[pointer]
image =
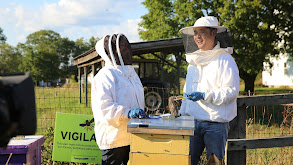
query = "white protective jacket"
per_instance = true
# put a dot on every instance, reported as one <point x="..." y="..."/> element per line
<point x="215" y="73"/>
<point x="115" y="90"/>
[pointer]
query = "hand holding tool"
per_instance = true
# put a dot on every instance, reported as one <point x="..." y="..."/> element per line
<point x="195" y="96"/>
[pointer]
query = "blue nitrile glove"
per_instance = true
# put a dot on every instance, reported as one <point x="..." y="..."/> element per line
<point x="195" y="96"/>
<point x="136" y="112"/>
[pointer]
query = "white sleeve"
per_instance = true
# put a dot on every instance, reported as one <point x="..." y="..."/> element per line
<point x="103" y="103"/>
<point x="229" y="84"/>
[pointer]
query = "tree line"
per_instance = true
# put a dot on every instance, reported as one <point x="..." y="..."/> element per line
<point x="45" y="54"/>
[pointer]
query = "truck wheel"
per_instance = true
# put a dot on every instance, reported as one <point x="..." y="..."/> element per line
<point x="153" y="101"/>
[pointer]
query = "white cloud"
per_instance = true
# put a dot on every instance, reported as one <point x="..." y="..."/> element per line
<point x="82" y="13"/>
<point x="4" y="14"/>
<point x="27" y="19"/>
<point x="75" y="18"/>
<point x="21" y="38"/>
<point x="133" y="29"/>
<point x="128" y="27"/>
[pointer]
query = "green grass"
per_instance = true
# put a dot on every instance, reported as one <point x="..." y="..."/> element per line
<point x="270" y="156"/>
<point x="266" y="90"/>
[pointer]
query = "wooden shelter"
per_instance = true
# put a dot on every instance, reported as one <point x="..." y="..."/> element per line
<point x="90" y="60"/>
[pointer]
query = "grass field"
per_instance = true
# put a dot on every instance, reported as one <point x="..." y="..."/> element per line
<point x="262" y="121"/>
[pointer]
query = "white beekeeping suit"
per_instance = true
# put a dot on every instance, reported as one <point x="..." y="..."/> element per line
<point x="115" y="90"/>
<point x="212" y="85"/>
<point x="213" y="72"/>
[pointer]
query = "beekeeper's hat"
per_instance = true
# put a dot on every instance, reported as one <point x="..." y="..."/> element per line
<point x="208" y="21"/>
<point x="105" y="45"/>
<point x="223" y="36"/>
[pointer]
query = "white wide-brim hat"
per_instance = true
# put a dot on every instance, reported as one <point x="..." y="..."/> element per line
<point x="208" y="21"/>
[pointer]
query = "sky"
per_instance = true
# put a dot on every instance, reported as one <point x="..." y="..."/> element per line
<point x="70" y="18"/>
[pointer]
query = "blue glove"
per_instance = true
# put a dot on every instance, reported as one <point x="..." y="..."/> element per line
<point x="136" y="112"/>
<point x="195" y="96"/>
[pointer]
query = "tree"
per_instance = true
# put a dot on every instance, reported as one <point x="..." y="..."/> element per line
<point x="65" y="49"/>
<point x="93" y="41"/>
<point x="258" y="27"/>
<point x="68" y="49"/>
<point x="81" y="46"/>
<point x="10" y="59"/>
<point x="40" y="55"/>
<point x="158" y="22"/>
<point x="2" y="37"/>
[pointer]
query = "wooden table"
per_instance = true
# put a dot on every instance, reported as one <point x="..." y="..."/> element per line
<point x="160" y="142"/>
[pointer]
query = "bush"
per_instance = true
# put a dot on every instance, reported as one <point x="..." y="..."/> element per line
<point x="47" y="147"/>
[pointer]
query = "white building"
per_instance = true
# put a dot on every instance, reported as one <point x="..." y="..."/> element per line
<point x="281" y="73"/>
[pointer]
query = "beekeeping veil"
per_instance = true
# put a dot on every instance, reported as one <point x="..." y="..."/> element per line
<point x="111" y="48"/>
<point x="223" y="36"/>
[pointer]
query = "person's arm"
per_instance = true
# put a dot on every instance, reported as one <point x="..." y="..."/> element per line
<point x="229" y="84"/>
<point x="103" y="102"/>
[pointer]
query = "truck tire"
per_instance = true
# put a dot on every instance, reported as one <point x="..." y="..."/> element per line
<point x="153" y="101"/>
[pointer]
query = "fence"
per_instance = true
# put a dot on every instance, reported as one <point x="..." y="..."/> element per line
<point x="236" y="149"/>
<point x="259" y="118"/>
<point x="68" y="99"/>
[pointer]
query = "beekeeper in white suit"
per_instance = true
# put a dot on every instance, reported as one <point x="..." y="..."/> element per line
<point x="212" y="83"/>
<point x="116" y="95"/>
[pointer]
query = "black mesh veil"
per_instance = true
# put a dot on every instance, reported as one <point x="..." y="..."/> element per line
<point x="225" y="39"/>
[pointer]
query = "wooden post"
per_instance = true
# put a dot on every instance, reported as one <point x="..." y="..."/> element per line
<point x="237" y="131"/>
<point x="79" y="83"/>
<point x="85" y="75"/>
<point x="269" y="142"/>
<point x="94" y="70"/>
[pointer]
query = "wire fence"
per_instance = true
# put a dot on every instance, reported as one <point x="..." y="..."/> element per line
<point x="261" y="121"/>
<point x="269" y="121"/>
<point x="50" y="100"/>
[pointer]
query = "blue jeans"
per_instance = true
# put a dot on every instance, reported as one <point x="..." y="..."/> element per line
<point x="212" y="135"/>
